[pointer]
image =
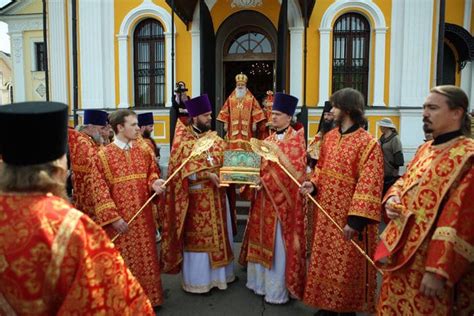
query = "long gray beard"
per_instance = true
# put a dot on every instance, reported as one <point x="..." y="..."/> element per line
<point x="240" y="92"/>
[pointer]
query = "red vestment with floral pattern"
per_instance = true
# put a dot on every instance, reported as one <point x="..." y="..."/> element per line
<point x="55" y="261"/>
<point x="122" y="186"/>
<point x="82" y="154"/>
<point x="434" y="233"/>
<point x="240" y="115"/>
<point x="194" y="217"/>
<point x="348" y="178"/>
<point x="280" y="200"/>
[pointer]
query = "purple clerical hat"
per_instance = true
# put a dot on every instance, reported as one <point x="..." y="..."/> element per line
<point x="145" y="119"/>
<point x="95" y="117"/>
<point x="285" y="103"/>
<point x="198" y="105"/>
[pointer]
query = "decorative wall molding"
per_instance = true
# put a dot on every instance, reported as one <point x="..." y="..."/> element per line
<point x="246" y="3"/>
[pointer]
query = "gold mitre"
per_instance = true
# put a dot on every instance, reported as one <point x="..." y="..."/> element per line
<point x="241" y="78"/>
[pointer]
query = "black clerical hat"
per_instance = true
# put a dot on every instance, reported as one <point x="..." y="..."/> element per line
<point x="145" y="119"/>
<point x="285" y="103"/>
<point x="33" y="132"/>
<point x="95" y="117"/>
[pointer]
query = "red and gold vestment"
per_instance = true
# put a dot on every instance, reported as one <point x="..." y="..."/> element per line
<point x="348" y="178"/>
<point x="434" y="232"/>
<point x="194" y="217"/>
<point x="123" y="185"/>
<point x="240" y="115"/>
<point x="54" y="260"/>
<point x="280" y="200"/>
<point x="82" y="154"/>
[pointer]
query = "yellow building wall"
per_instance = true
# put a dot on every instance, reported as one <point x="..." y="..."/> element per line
<point x="182" y="47"/>
<point x="312" y="78"/>
<point x="161" y="128"/>
<point x="455" y="12"/>
<point x="36" y="6"/>
<point x="32" y="78"/>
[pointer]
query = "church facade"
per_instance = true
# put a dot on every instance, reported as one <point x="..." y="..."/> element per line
<point x="130" y="53"/>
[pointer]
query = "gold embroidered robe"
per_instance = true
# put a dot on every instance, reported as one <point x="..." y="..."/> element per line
<point x="280" y="200"/>
<point x="55" y="261"/>
<point x="82" y="154"/>
<point x="240" y="115"/>
<point x="123" y="185"/>
<point x="194" y="218"/>
<point x="349" y="179"/>
<point x="434" y="233"/>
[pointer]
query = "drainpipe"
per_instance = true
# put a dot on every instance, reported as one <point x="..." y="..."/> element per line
<point x="45" y="53"/>
<point x="74" y="63"/>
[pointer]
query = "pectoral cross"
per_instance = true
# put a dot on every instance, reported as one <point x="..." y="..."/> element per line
<point x="210" y="159"/>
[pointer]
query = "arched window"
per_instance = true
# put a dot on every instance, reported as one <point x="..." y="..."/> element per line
<point x="149" y="64"/>
<point x="251" y="42"/>
<point x="350" y="65"/>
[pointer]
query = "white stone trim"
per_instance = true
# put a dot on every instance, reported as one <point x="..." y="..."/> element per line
<point x="146" y="8"/>
<point x="467" y="15"/>
<point x="296" y="63"/>
<point x="19" y="91"/>
<point x="196" y="54"/>
<point x="57" y="52"/>
<point x="379" y="28"/>
<point x="210" y="4"/>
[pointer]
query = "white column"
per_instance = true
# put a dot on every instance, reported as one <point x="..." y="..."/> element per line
<point x="196" y="52"/>
<point x="57" y="51"/>
<point x="108" y="53"/>
<point x="18" y="67"/>
<point x="379" y="63"/>
<point x="467" y="72"/>
<point x="91" y="54"/>
<point x="416" y="61"/>
<point x="324" y="65"/>
<point x="168" y="83"/>
<point x="296" y="62"/>
<point x="196" y="62"/>
<point x="396" y="52"/>
<point x="123" y="70"/>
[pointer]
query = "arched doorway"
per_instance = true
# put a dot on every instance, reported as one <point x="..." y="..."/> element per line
<point x="245" y="42"/>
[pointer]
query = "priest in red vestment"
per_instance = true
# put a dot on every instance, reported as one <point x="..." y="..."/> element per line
<point x="146" y="124"/>
<point x="274" y="248"/>
<point x="83" y="148"/>
<point x="127" y="176"/>
<point x="197" y="231"/>
<point x="240" y="114"/>
<point x="53" y="259"/>
<point x="427" y="249"/>
<point x="348" y="184"/>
